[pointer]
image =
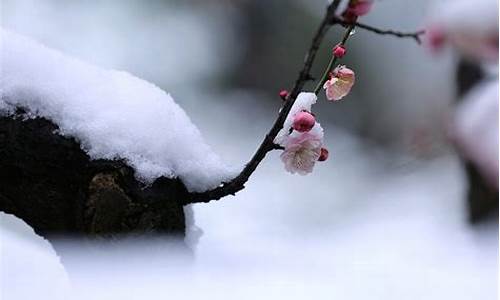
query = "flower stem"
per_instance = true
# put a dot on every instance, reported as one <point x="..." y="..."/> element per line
<point x="333" y="60"/>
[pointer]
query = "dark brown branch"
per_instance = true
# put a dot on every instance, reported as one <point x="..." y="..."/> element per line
<point x="414" y="35"/>
<point x="267" y="145"/>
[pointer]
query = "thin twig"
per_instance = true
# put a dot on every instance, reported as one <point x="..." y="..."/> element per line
<point x="414" y="35"/>
<point x="333" y="60"/>
<point x="267" y="145"/>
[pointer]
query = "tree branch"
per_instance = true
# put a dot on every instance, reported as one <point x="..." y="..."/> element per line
<point x="267" y="145"/>
<point x="414" y="35"/>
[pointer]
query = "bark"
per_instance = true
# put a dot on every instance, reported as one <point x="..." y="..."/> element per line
<point x="48" y="181"/>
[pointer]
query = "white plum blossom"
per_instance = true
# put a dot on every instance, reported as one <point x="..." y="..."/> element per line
<point x="301" y="153"/>
<point x="302" y="148"/>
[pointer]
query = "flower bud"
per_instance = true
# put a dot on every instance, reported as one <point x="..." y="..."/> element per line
<point x="436" y="38"/>
<point x="339" y="51"/>
<point x="324" y="154"/>
<point x="359" y="7"/>
<point x="283" y="94"/>
<point x="303" y="121"/>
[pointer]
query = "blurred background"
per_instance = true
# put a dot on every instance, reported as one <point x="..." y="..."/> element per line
<point x="386" y="217"/>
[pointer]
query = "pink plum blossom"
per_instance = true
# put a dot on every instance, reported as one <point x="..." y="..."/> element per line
<point x="340" y="84"/>
<point x="303" y="121"/>
<point x="301" y="153"/>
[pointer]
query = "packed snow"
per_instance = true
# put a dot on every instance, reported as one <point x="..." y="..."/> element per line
<point x="113" y="114"/>
<point x="25" y="261"/>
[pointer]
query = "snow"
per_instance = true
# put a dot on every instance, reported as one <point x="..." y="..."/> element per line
<point x="304" y="101"/>
<point x="113" y="114"/>
<point x="25" y="261"/>
<point x="364" y="225"/>
<point x="354" y="229"/>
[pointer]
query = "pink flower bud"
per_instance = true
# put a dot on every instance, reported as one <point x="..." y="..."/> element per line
<point x="283" y="94"/>
<point x="303" y="121"/>
<point x="323" y="155"/>
<point x="436" y="38"/>
<point x="339" y="51"/>
<point x="349" y="16"/>
<point x="359" y="7"/>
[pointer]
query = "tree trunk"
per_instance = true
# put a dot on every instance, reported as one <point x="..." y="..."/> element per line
<point x="482" y="200"/>
<point x="48" y="181"/>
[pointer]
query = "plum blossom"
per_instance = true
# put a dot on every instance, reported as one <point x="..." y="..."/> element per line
<point x="301" y="153"/>
<point x="302" y="148"/>
<point x="340" y="83"/>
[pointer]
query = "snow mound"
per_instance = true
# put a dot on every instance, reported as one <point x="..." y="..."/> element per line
<point x="113" y="114"/>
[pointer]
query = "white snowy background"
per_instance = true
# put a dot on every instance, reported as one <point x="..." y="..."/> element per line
<point x="370" y="223"/>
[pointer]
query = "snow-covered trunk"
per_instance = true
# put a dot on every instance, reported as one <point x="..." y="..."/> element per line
<point x="95" y="153"/>
<point x="47" y="180"/>
<point x="482" y="198"/>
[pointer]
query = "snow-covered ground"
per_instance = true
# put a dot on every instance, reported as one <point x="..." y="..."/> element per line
<point x="364" y="225"/>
